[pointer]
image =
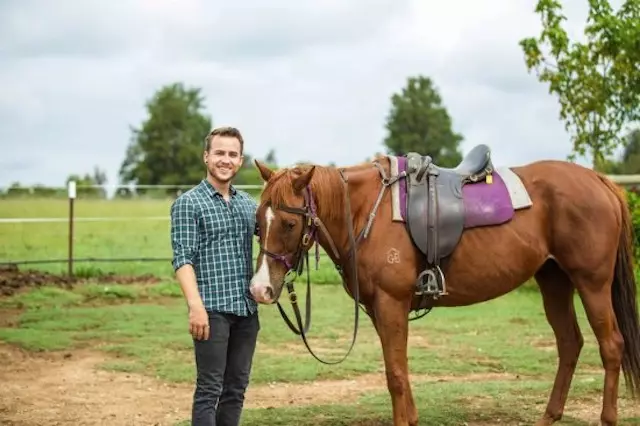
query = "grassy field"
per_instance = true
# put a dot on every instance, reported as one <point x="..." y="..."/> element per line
<point x="129" y="234"/>
<point x="496" y="359"/>
<point x="491" y="363"/>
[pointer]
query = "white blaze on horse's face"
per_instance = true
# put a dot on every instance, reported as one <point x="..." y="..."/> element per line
<point x="261" y="287"/>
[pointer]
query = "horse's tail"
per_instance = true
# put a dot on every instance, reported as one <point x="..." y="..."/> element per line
<point x="623" y="294"/>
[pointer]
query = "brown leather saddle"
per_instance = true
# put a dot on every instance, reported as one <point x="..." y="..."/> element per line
<point x="435" y="208"/>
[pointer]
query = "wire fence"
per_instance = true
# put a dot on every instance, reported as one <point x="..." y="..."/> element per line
<point x="128" y="230"/>
<point x="59" y="229"/>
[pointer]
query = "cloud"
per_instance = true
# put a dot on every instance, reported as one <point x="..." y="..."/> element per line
<point x="254" y="30"/>
<point x="312" y="81"/>
<point x="88" y="29"/>
<point x="249" y="29"/>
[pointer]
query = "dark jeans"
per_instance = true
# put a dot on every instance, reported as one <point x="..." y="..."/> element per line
<point x="223" y="364"/>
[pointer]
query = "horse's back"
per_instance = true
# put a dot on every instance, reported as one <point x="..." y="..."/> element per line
<point x="565" y="182"/>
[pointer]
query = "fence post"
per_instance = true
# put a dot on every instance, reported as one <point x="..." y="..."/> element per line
<point x="72" y="197"/>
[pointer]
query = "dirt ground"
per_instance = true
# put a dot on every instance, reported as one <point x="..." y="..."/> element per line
<point x="13" y="280"/>
<point x="69" y="389"/>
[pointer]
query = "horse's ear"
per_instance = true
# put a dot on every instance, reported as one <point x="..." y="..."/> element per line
<point x="265" y="171"/>
<point x="303" y="180"/>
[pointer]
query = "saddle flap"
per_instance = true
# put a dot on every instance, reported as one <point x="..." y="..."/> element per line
<point x="435" y="214"/>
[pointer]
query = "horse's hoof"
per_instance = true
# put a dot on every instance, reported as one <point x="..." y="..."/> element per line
<point x="545" y="421"/>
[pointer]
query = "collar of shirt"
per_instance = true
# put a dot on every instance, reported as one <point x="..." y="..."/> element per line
<point x="213" y="191"/>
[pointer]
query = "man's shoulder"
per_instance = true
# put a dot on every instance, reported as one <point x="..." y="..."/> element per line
<point x="187" y="198"/>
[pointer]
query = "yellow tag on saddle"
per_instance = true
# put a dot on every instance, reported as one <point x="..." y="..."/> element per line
<point x="489" y="179"/>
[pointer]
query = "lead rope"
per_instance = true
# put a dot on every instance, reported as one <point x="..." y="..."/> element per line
<point x="356" y="295"/>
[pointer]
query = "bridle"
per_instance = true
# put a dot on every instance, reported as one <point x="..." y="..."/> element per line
<point x="294" y="263"/>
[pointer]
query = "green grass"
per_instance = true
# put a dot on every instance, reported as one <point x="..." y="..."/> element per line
<point x="144" y="328"/>
<point x="125" y="320"/>
<point x="133" y="238"/>
<point x="446" y="404"/>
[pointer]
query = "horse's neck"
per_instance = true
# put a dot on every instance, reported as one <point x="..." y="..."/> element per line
<point x="334" y="224"/>
<point x="336" y="214"/>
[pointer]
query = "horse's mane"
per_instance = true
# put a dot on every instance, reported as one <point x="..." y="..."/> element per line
<point x="326" y="185"/>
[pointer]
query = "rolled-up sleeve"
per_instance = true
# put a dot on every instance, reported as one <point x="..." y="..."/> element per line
<point x="184" y="232"/>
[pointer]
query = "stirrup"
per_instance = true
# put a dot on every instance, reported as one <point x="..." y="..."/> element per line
<point x="431" y="282"/>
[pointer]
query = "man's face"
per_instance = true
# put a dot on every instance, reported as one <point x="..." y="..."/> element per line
<point x="223" y="160"/>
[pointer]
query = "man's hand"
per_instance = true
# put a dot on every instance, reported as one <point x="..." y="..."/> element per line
<point x="199" y="323"/>
<point x="198" y="316"/>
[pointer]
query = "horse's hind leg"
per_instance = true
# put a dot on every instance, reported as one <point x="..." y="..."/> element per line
<point x="557" y="295"/>
<point x="596" y="297"/>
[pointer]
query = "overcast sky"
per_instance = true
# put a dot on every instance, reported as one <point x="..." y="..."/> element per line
<point x="303" y="78"/>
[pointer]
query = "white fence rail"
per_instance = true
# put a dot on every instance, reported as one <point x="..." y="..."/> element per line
<point x="110" y="189"/>
<point x="624" y="180"/>
<point x="79" y="219"/>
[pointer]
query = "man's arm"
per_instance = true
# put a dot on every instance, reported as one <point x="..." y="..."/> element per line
<point x="256" y="230"/>
<point x="187" y="278"/>
<point x="184" y="242"/>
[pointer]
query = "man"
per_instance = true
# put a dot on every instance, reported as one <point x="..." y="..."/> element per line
<point x="212" y="229"/>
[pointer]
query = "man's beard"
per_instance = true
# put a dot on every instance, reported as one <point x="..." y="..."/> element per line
<point x="213" y="172"/>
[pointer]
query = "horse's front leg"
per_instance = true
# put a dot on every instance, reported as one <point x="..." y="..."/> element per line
<point x="392" y="326"/>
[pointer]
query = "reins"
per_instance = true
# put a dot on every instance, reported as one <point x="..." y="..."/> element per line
<point x="313" y="223"/>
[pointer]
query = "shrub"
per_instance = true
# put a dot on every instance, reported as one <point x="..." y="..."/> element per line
<point x="634" y="206"/>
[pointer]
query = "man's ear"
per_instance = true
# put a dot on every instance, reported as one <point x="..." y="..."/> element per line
<point x="265" y="171"/>
<point x="303" y="180"/>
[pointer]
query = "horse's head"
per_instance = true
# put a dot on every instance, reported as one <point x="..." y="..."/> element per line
<point x="287" y="231"/>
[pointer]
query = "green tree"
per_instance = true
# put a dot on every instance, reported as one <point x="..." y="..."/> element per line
<point x="418" y="122"/>
<point x="629" y="161"/>
<point x="597" y="82"/>
<point x="631" y="155"/>
<point x="247" y="162"/>
<point x="167" y="148"/>
<point x="270" y="158"/>
<point x="90" y="185"/>
<point x="99" y="176"/>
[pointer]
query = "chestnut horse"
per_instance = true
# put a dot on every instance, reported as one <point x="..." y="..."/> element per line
<point x="575" y="234"/>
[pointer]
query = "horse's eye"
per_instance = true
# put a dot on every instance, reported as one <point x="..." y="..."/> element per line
<point x="290" y="224"/>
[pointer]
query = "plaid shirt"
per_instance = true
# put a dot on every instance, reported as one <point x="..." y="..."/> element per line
<point x="217" y="239"/>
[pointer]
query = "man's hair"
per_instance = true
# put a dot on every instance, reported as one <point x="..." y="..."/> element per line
<point x="224" y="131"/>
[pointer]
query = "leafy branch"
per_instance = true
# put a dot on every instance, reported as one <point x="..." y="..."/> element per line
<point x="597" y="82"/>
